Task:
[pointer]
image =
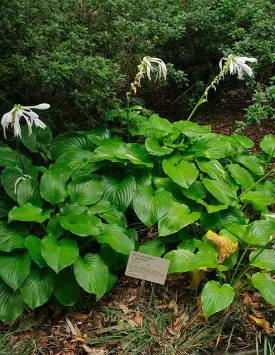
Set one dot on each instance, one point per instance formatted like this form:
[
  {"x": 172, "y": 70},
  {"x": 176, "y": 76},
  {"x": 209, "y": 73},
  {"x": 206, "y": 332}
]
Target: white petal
[
  {"x": 29, "y": 123},
  {"x": 246, "y": 68},
  {"x": 16, "y": 125},
  {"x": 39, "y": 123},
  {"x": 221, "y": 63},
  {"x": 30, "y": 113},
  {"x": 39, "y": 107},
  {"x": 148, "y": 69}
]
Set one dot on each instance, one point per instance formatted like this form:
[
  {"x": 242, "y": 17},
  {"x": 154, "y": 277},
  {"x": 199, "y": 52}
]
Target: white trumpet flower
[
  {"x": 237, "y": 65},
  {"x": 13, "y": 118},
  {"x": 161, "y": 70}
]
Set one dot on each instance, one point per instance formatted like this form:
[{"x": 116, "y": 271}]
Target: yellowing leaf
[
  {"x": 262, "y": 323},
  {"x": 225, "y": 245}
]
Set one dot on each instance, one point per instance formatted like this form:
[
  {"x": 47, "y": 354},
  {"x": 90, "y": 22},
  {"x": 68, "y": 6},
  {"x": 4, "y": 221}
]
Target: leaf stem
[
  {"x": 128, "y": 117},
  {"x": 257, "y": 182},
  {"x": 238, "y": 264}
]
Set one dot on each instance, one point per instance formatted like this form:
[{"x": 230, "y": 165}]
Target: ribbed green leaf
[
  {"x": 8, "y": 157},
  {"x": 83, "y": 224},
  {"x": 54, "y": 227},
  {"x": 151, "y": 205},
  {"x": 264, "y": 260},
  {"x": 135, "y": 153},
  {"x": 266, "y": 285},
  {"x": 33, "y": 244},
  {"x": 268, "y": 144},
  {"x": 107, "y": 149},
  {"x": 179, "y": 260},
  {"x": 258, "y": 199},
  {"x": 6, "y": 204},
  {"x": 240, "y": 142},
  {"x": 154, "y": 247},
  {"x": 117, "y": 238},
  {"x": 14, "y": 268},
  {"x": 59, "y": 254},
  {"x": 241, "y": 175},
  {"x": 10, "y": 179},
  {"x": 195, "y": 191},
  {"x": 221, "y": 191},
  {"x": 67, "y": 290},
  {"x": 53, "y": 187},
  {"x": 182, "y": 173},
  {"x": 119, "y": 192},
  {"x": 39, "y": 140},
  {"x": 98, "y": 135},
  {"x": 156, "y": 126},
  {"x": 92, "y": 274},
  {"x": 86, "y": 190},
  {"x": 154, "y": 148},
  {"x": 210, "y": 146},
  {"x": 178, "y": 217},
  {"x": 114, "y": 216},
  {"x": 204, "y": 258},
  {"x": 28, "y": 191},
  {"x": 29, "y": 213},
  {"x": 216, "y": 297},
  {"x": 257, "y": 233},
  {"x": 11, "y": 305},
  {"x": 101, "y": 207},
  {"x": 251, "y": 163},
  {"x": 212, "y": 208},
  {"x": 213, "y": 168},
  {"x": 12, "y": 236},
  {"x": 192, "y": 129},
  {"x": 38, "y": 287}
]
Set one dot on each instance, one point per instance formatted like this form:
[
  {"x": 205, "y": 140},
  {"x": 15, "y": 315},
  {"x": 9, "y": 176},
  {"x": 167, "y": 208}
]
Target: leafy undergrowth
[{"x": 138, "y": 318}]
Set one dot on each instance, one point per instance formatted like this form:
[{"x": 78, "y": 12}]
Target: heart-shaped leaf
[
  {"x": 222, "y": 191},
  {"x": 11, "y": 305},
  {"x": 216, "y": 297},
  {"x": 151, "y": 205},
  {"x": 178, "y": 217},
  {"x": 115, "y": 217},
  {"x": 53, "y": 187},
  {"x": 33, "y": 244},
  {"x": 119, "y": 192},
  {"x": 154, "y": 148},
  {"x": 154, "y": 247},
  {"x": 251, "y": 163},
  {"x": 14, "y": 268},
  {"x": 101, "y": 207},
  {"x": 10, "y": 179},
  {"x": 59, "y": 254},
  {"x": 157, "y": 127},
  {"x": 8, "y": 157},
  {"x": 86, "y": 190},
  {"x": 135, "y": 153},
  {"x": 241, "y": 175},
  {"x": 12, "y": 236},
  {"x": 54, "y": 227},
  {"x": 268, "y": 144},
  {"x": 67, "y": 290},
  {"x": 28, "y": 192},
  {"x": 6, "y": 204},
  {"x": 92, "y": 274},
  {"x": 266, "y": 285},
  {"x": 83, "y": 224},
  {"x": 117, "y": 238},
  {"x": 29, "y": 213},
  {"x": 179, "y": 260},
  {"x": 39, "y": 140},
  {"x": 210, "y": 146},
  {"x": 38, "y": 286},
  {"x": 182, "y": 173},
  {"x": 263, "y": 260},
  {"x": 204, "y": 259}
]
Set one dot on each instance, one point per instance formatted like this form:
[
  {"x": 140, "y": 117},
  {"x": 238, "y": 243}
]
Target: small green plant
[{"x": 263, "y": 104}]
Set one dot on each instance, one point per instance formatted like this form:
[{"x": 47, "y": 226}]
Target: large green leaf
[
  {"x": 251, "y": 163},
  {"x": 216, "y": 297},
  {"x": 67, "y": 290},
  {"x": 213, "y": 168},
  {"x": 59, "y": 254},
  {"x": 119, "y": 191},
  {"x": 154, "y": 247},
  {"x": 101, "y": 207},
  {"x": 181, "y": 172},
  {"x": 241, "y": 175},
  {"x": 86, "y": 190},
  {"x": 240, "y": 142},
  {"x": 28, "y": 191},
  {"x": 68, "y": 142},
  {"x": 83, "y": 224},
  {"x": 204, "y": 259},
  {"x": 92, "y": 274},
  {"x": 29, "y": 213},
  {"x": 268, "y": 144},
  {"x": 257, "y": 199},
  {"x": 154, "y": 148},
  {"x": 210, "y": 146},
  {"x": 135, "y": 153},
  {"x": 8, "y": 157},
  {"x": 178, "y": 217},
  {"x": 38, "y": 287},
  {"x": 195, "y": 191},
  {"x": 33, "y": 244},
  {"x": 156, "y": 127},
  {"x": 266, "y": 285},
  {"x": 212, "y": 208},
  {"x": 54, "y": 227},
  {"x": 98, "y": 135},
  {"x": 221, "y": 191},
  {"x": 192, "y": 129},
  {"x": 14, "y": 268},
  {"x": 11, "y": 305},
  {"x": 107, "y": 148},
  {"x": 117, "y": 238},
  {"x": 10, "y": 179},
  {"x": 114, "y": 216},
  {"x": 12, "y": 236},
  {"x": 53, "y": 187},
  {"x": 6, "y": 204},
  {"x": 39, "y": 140},
  {"x": 179, "y": 260},
  {"x": 264, "y": 260},
  {"x": 151, "y": 205}
]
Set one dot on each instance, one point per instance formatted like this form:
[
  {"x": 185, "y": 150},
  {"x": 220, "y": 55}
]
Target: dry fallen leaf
[
  {"x": 262, "y": 323},
  {"x": 180, "y": 321},
  {"x": 173, "y": 305},
  {"x": 138, "y": 319},
  {"x": 225, "y": 245},
  {"x": 71, "y": 327},
  {"x": 93, "y": 351},
  {"x": 153, "y": 330},
  {"x": 124, "y": 308},
  {"x": 196, "y": 278},
  {"x": 78, "y": 339}
]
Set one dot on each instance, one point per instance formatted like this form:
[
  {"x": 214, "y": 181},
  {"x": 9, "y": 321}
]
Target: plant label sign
[{"x": 147, "y": 267}]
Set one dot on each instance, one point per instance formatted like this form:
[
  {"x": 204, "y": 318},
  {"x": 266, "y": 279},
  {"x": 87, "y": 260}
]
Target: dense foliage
[
  {"x": 78, "y": 55},
  {"x": 67, "y": 206}
]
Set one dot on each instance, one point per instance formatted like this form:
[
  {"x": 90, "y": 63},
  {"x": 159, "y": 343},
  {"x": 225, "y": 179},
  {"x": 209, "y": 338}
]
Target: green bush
[{"x": 67, "y": 203}]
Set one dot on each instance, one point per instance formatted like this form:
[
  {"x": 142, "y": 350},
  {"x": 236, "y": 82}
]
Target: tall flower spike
[
  {"x": 161, "y": 70},
  {"x": 237, "y": 65},
  {"x": 12, "y": 118}
]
